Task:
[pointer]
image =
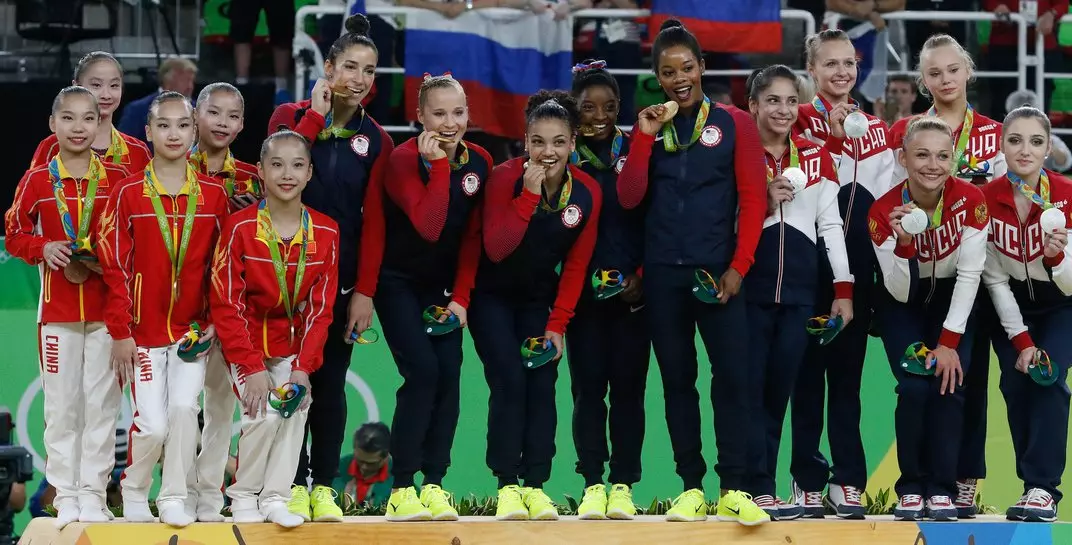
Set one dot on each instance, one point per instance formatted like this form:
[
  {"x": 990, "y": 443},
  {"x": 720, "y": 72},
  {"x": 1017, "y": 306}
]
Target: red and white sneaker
[
  {"x": 1040, "y": 506},
  {"x": 787, "y": 511},
  {"x": 810, "y": 502},
  {"x": 845, "y": 500},
  {"x": 1016, "y": 512},
  {"x": 766, "y": 503},
  {"x": 941, "y": 509},
  {"x": 965, "y": 504},
  {"x": 909, "y": 507}
]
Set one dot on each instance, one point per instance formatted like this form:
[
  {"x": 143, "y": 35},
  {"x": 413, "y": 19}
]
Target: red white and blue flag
[{"x": 731, "y": 26}]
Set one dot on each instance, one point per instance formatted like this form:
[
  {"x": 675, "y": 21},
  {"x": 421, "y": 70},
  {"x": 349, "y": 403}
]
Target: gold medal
[
  {"x": 588, "y": 130},
  {"x": 76, "y": 272}
]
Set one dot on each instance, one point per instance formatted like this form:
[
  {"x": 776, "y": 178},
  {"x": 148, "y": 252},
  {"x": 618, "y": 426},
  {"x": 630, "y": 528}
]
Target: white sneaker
[
  {"x": 846, "y": 501},
  {"x": 811, "y": 502},
  {"x": 1039, "y": 506},
  {"x": 90, "y": 513},
  {"x": 909, "y": 507},
  {"x": 66, "y": 513},
  {"x": 137, "y": 511},
  {"x": 282, "y": 516},
  {"x": 174, "y": 514},
  {"x": 206, "y": 515},
  {"x": 247, "y": 516},
  {"x": 941, "y": 509}
]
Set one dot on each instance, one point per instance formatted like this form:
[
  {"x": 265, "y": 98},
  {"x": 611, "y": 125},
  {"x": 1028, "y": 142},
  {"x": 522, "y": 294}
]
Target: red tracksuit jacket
[
  {"x": 132, "y": 154},
  {"x": 244, "y": 174},
  {"x": 137, "y": 266},
  {"x": 34, "y": 220},
  {"x": 247, "y": 306}
]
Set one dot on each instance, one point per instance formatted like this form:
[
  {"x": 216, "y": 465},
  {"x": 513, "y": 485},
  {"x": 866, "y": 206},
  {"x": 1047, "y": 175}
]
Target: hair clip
[{"x": 594, "y": 65}]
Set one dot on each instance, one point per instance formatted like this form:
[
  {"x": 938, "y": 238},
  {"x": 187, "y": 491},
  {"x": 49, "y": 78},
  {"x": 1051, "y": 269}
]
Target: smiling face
[
  {"x": 776, "y": 108},
  {"x": 286, "y": 168},
  {"x": 679, "y": 75},
  {"x": 599, "y": 110},
  {"x": 928, "y": 157},
  {"x": 945, "y": 73},
  {"x": 550, "y": 142},
  {"x": 219, "y": 120},
  {"x": 171, "y": 129},
  {"x": 1026, "y": 143},
  {"x": 445, "y": 111},
  {"x": 835, "y": 68},
  {"x": 105, "y": 81},
  {"x": 352, "y": 73},
  {"x": 75, "y": 123}
]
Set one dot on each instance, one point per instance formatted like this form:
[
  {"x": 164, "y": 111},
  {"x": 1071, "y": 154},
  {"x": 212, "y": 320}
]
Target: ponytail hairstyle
[
  {"x": 593, "y": 73},
  {"x": 925, "y": 123},
  {"x": 763, "y": 78},
  {"x": 285, "y": 134},
  {"x": 934, "y": 42},
  {"x": 672, "y": 33},
  {"x": 169, "y": 96},
  {"x": 436, "y": 82},
  {"x": 553, "y": 105},
  {"x": 813, "y": 42},
  {"x": 357, "y": 33},
  {"x": 91, "y": 58},
  {"x": 1029, "y": 112},
  {"x": 74, "y": 90}
]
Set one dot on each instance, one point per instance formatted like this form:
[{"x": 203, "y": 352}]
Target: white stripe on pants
[
  {"x": 267, "y": 449},
  {"x": 164, "y": 396},
  {"x": 81, "y": 407},
  {"x": 205, "y": 485}
]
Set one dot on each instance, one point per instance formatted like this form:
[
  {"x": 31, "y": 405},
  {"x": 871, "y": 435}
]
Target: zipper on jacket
[
  {"x": 781, "y": 244},
  {"x": 81, "y": 287},
  {"x": 1023, "y": 254},
  {"x": 934, "y": 264},
  {"x": 175, "y": 239},
  {"x": 852, "y": 191}
]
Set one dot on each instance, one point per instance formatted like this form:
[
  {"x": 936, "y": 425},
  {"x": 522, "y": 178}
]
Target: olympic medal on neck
[
  {"x": 856, "y": 125},
  {"x": 915, "y": 222}
]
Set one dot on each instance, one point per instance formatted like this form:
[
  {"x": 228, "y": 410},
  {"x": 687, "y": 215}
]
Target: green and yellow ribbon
[
  {"x": 57, "y": 173},
  {"x": 670, "y": 139},
  {"x": 176, "y": 255},
  {"x": 279, "y": 264}
]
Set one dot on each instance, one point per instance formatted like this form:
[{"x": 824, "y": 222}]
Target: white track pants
[
  {"x": 268, "y": 449},
  {"x": 82, "y": 399},
  {"x": 205, "y": 485},
  {"x": 164, "y": 396}
]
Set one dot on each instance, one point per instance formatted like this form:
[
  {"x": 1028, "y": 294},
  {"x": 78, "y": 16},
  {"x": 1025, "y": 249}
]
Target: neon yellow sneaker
[
  {"x": 405, "y": 506},
  {"x": 594, "y": 504},
  {"x": 299, "y": 502},
  {"x": 738, "y": 506},
  {"x": 511, "y": 505},
  {"x": 540, "y": 506},
  {"x": 620, "y": 503},
  {"x": 690, "y": 506},
  {"x": 324, "y": 507},
  {"x": 438, "y": 502}
]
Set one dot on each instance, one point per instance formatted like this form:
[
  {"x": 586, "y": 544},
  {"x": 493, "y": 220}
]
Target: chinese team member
[
  {"x": 539, "y": 213},
  {"x": 782, "y": 285},
  {"x": 945, "y": 69},
  {"x": 432, "y": 199},
  {"x": 102, "y": 74},
  {"x": 608, "y": 339},
  {"x": 220, "y": 111},
  {"x": 274, "y": 281},
  {"x": 834, "y": 371},
  {"x": 930, "y": 283},
  {"x": 56, "y": 209},
  {"x": 349, "y": 150},
  {"x": 1029, "y": 276},
  {"x": 705, "y": 164},
  {"x": 156, "y": 241}
]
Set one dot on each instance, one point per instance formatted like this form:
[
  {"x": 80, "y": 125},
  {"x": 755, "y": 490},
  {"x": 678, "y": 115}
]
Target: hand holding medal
[{"x": 195, "y": 343}]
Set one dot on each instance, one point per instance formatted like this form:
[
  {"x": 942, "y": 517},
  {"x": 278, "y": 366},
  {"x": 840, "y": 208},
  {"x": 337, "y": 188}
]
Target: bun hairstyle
[
  {"x": 357, "y": 33},
  {"x": 934, "y": 42},
  {"x": 672, "y": 34},
  {"x": 91, "y": 58},
  {"x": 925, "y": 123},
  {"x": 1028, "y": 111},
  {"x": 285, "y": 134},
  {"x": 74, "y": 90},
  {"x": 592, "y": 73},
  {"x": 813, "y": 42},
  {"x": 436, "y": 82},
  {"x": 169, "y": 96},
  {"x": 762, "y": 79},
  {"x": 553, "y": 105}
]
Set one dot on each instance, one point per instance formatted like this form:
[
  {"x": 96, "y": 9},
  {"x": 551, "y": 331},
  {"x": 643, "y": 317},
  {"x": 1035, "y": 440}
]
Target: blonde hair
[
  {"x": 436, "y": 82},
  {"x": 934, "y": 42},
  {"x": 925, "y": 123},
  {"x": 813, "y": 42}
]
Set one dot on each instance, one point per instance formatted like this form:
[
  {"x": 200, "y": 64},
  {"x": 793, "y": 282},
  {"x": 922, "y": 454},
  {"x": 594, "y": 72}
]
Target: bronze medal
[{"x": 76, "y": 272}]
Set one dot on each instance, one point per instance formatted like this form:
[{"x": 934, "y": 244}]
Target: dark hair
[
  {"x": 671, "y": 34},
  {"x": 285, "y": 134},
  {"x": 357, "y": 33},
  {"x": 1028, "y": 112},
  {"x": 761, "y": 79},
  {"x": 590, "y": 73},
  {"x": 553, "y": 105},
  {"x": 900, "y": 78},
  {"x": 812, "y": 43},
  {"x": 222, "y": 87},
  {"x": 373, "y": 437},
  {"x": 91, "y": 58},
  {"x": 74, "y": 90},
  {"x": 169, "y": 96}
]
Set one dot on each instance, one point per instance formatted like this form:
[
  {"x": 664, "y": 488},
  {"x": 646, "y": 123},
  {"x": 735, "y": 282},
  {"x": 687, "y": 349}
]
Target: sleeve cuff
[
  {"x": 440, "y": 165},
  {"x": 843, "y": 290},
  {"x": 905, "y": 252},
  {"x": 641, "y": 139},
  {"x": 311, "y": 124},
  {"x": 461, "y": 300},
  {"x": 527, "y": 202},
  {"x": 640, "y": 272},
  {"x": 741, "y": 265},
  {"x": 1022, "y": 341},
  {"x": 949, "y": 339},
  {"x": 1054, "y": 261},
  {"x": 557, "y": 325}
]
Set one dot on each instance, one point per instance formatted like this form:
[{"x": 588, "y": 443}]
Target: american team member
[
  {"x": 540, "y": 212},
  {"x": 274, "y": 281},
  {"x": 52, "y": 223},
  {"x": 156, "y": 241},
  {"x": 781, "y": 286},
  {"x": 608, "y": 339},
  {"x": 102, "y": 74},
  {"x": 929, "y": 234},
  {"x": 705, "y": 164},
  {"x": 834, "y": 370},
  {"x": 1029, "y": 276},
  {"x": 349, "y": 150},
  {"x": 432, "y": 199},
  {"x": 945, "y": 69}
]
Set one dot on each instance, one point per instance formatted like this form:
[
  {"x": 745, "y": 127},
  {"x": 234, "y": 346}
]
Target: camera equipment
[{"x": 16, "y": 466}]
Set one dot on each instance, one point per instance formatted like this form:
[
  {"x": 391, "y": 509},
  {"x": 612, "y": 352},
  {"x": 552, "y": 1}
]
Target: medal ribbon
[
  {"x": 117, "y": 150},
  {"x": 590, "y": 156},
  {"x": 936, "y": 218},
  {"x": 199, "y": 159},
  {"x": 338, "y": 132},
  {"x": 264, "y": 221},
  {"x": 961, "y": 145},
  {"x": 794, "y": 161},
  {"x": 177, "y": 256},
  {"x": 463, "y": 159},
  {"x": 58, "y": 173},
  {"x": 1042, "y": 197},
  {"x": 670, "y": 141},
  {"x": 563, "y": 195}
]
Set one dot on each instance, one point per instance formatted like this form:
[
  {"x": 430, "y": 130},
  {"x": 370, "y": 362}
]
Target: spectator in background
[
  {"x": 175, "y": 74},
  {"x": 618, "y": 39},
  {"x": 366, "y": 474},
  {"x": 864, "y": 10},
  {"x": 1002, "y": 53},
  {"x": 917, "y": 32},
  {"x": 279, "y": 14},
  {"x": 900, "y": 98},
  {"x": 718, "y": 93},
  {"x": 1060, "y": 158}
]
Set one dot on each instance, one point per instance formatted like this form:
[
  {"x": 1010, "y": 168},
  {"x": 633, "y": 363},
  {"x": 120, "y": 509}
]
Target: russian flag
[
  {"x": 871, "y": 49},
  {"x": 499, "y": 59},
  {"x": 728, "y": 26},
  {"x": 356, "y": 6}
]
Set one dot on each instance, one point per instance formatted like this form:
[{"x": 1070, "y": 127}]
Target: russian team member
[
  {"x": 57, "y": 206},
  {"x": 540, "y": 212},
  {"x": 781, "y": 287},
  {"x": 274, "y": 281},
  {"x": 930, "y": 283},
  {"x": 834, "y": 371},
  {"x": 102, "y": 74},
  {"x": 349, "y": 150},
  {"x": 705, "y": 164},
  {"x": 433, "y": 198},
  {"x": 945, "y": 69},
  {"x": 608, "y": 339},
  {"x": 156, "y": 241},
  {"x": 1029, "y": 276}
]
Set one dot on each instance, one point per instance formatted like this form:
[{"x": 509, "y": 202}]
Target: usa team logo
[
  {"x": 360, "y": 145},
  {"x": 619, "y": 165},
  {"x": 710, "y": 136},
  {"x": 470, "y": 184},
  {"x": 571, "y": 216}
]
